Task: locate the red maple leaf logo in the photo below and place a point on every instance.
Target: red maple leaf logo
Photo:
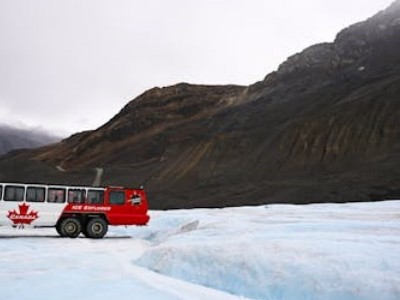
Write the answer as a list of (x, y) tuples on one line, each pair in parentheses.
[(23, 217)]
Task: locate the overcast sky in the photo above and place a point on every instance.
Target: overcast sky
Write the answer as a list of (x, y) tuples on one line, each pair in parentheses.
[(70, 65)]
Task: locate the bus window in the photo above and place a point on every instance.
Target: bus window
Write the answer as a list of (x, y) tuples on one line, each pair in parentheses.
[(35, 194), (1, 192), (14, 193), (95, 197), (76, 196), (56, 195), (117, 197)]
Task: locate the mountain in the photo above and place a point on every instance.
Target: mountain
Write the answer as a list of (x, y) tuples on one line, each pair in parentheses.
[(324, 127), (15, 138)]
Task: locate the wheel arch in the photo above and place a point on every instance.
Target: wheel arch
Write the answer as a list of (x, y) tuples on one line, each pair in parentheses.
[(82, 217)]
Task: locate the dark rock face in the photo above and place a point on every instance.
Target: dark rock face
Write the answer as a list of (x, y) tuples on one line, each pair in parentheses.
[(13, 138), (323, 128)]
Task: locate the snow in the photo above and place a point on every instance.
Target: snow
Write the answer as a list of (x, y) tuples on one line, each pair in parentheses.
[(319, 251)]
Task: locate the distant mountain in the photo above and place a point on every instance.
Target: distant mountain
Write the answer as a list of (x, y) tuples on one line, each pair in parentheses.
[(14, 138), (325, 127)]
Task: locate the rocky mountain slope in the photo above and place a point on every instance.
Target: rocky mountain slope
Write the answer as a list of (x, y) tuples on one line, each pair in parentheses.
[(323, 128), (15, 138)]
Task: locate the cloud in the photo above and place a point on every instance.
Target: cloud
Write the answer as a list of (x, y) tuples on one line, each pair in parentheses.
[(63, 61), (18, 137)]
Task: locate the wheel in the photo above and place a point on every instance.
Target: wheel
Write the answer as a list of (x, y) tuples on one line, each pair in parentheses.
[(96, 228), (58, 229), (84, 232), (70, 227)]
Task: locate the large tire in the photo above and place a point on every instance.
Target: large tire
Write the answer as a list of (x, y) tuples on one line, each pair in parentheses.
[(70, 227), (96, 228), (58, 229)]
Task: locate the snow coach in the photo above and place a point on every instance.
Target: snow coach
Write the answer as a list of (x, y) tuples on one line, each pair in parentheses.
[(72, 209)]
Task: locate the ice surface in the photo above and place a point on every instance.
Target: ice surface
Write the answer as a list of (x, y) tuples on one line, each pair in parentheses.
[(319, 251)]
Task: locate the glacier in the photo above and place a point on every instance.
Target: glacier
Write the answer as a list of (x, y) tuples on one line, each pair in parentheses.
[(347, 251)]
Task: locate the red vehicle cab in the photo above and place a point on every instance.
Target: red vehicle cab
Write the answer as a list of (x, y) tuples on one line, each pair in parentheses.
[(72, 209)]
